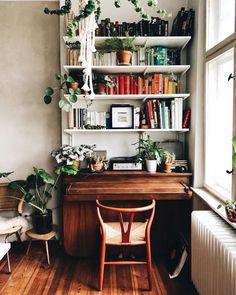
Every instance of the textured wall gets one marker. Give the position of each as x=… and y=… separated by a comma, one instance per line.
x=29, y=59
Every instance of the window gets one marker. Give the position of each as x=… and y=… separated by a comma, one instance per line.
x=219, y=97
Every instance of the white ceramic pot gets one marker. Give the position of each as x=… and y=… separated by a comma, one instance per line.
x=151, y=165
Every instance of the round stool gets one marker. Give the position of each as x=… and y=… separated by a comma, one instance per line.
x=41, y=237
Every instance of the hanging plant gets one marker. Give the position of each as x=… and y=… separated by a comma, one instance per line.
x=63, y=10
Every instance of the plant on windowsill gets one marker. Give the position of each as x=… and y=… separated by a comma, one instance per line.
x=37, y=190
x=149, y=152
x=123, y=46
x=67, y=86
x=168, y=159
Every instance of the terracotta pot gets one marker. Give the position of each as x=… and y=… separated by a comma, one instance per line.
x=167, y=167
x=124, y=57
x=74, y=86
x=101, y=88
x=97, y=166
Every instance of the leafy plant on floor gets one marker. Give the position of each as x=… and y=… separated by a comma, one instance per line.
x=66, y=87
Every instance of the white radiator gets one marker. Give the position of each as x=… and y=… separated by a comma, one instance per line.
x=213, y=254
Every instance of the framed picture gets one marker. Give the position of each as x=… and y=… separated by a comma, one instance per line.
x=122, y=116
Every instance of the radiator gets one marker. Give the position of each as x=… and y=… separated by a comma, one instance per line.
x=213, y=264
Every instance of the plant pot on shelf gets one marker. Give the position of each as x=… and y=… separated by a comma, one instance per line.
x=42, y=222
x=101, y=88
x=151, y=165
x=168, y=167
x=231, y=215
x=97, y=167
x=124, y=57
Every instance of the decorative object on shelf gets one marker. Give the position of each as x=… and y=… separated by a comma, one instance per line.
x=124, y=48
x=37, y=190
x=67, y=85
x=71, y=155
x=101, y=82
x=97, y=163
x=230, y=209
x=122, y=116
x=149, y=152
x=233, y=157
x=168, y=160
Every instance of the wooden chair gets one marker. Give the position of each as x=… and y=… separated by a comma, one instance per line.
x=10, y=205
x=127, y=232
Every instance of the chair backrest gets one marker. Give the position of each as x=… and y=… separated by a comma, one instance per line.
x=7, y=200
x=129, y=213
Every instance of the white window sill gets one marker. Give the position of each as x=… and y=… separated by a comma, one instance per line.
x=212, y=202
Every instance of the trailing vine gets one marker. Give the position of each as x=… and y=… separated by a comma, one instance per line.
x=63, y=10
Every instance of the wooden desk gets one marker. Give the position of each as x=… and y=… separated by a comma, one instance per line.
x=80, y=223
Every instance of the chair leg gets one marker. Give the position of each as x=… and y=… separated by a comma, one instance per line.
x=149, y=265
x=29, y=245
x=48, y=258
x=8, y=263
x=102, y=264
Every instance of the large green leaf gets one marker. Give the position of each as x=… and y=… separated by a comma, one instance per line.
x=29, y=197
x=71, y=91
x=73, y=98
x=58, y=76
x=5, y=174
x=48, y=91
x=70, y=79
x=47, y=178
x=47, y=99
x=234, y=160
x=17, y=184
x=69, y=169
x=234, y=143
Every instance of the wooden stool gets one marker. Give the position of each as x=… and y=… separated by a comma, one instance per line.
x=42, y=237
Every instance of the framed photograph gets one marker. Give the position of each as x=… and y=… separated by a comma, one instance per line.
x=122, y=116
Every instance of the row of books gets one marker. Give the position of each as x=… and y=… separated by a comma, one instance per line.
x=73, y=57
x=183, y=24
x=155, y=27
x=162, y=114
x=151, y=84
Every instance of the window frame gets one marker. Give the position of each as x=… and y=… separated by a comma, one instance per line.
x=210, y=54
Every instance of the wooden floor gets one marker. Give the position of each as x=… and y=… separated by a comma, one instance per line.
x=70, y=275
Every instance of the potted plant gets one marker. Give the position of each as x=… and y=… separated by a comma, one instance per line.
x=97, y=163
x=168, y=160
x=67, y=86
x=71, y=155
x=230, y=209
x=101, y=82
x=123, y=46
x=149, y=152
x=37, y=190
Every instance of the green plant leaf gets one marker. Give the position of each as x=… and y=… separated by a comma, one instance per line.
x=70, y=79
x=17, y=184
x=5, y=174
x=73, y=98
x=234, y=143
x=234, y=160
x=71, y=91
x=47, y=99
x=65, y=77
x=47, y=178
x=29, y=197
x=58, y=77
x=219, y=206
x=61, y=103
x=69, y=169
x=78, y=91
x=48, y=91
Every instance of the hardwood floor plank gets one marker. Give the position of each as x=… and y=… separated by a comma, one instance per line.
x=66, y=275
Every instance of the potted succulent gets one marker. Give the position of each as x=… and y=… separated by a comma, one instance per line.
x=123, y=46
x=68, y=86
x=101, y=82
x=230, y=209
x=97, y=163
x=168, y=160
x=149, y=152
x=37, y=190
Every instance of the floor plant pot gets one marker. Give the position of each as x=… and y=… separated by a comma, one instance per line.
x=151, y=165
x=42, y=222
x=124, y=57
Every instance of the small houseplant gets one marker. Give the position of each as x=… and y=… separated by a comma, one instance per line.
x=97, y=163
x=149, y=152
x=230, y=209
x=101, y=82
x=123, y=46
x=168, y=160
x=37, y=190
x=67, y=86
